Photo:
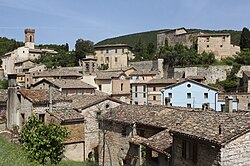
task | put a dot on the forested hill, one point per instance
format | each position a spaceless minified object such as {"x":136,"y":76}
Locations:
{"x":7,"y":45}
{"x":150,"y":37}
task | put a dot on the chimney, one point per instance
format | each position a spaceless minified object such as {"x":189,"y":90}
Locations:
{"x":229,"y":104}
{"x":12,"y":102}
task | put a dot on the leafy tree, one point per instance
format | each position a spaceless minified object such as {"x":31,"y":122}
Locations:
{"x":63,"y":59}
{"x":83,"y":48}
{"x":138,"y":51}
{"x":56,"y":47}
{"x":245,"y":39}
{"x":150,"y":49}
{"x":243,"y":57}
{"x":3,"y":84}
{"x":43,"y":142}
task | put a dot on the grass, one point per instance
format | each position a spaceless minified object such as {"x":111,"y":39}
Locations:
{"x":12,"y":155}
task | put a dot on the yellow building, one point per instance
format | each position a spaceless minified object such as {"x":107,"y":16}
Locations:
{"x":115,"y":55}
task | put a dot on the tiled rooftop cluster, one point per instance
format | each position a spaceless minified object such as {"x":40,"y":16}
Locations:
{"x":215,"y":127}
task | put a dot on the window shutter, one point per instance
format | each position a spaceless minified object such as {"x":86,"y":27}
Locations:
{"x":184,"y":149}
{"x":195,"y":153}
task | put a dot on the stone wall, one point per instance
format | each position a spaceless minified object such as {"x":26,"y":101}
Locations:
{"x":207,"y":155}
{"x":237,"y":152}
{"x":211,"y":73}
{"x":92,"y":132}
{"x":74,"y":151}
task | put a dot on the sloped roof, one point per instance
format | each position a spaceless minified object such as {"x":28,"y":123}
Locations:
{"x":35,"y":96}
{"x":247,"y":73}
{"x":192,"y":81}
{"x":112,"y":45}
{"x":159,"y":142}
{"x":202,"y":125}
{"x":57,"y":72}
{"x":106,"y":75}
{"x":66,"y":115}
{"x":67,"y":83}
{"x":213,"y":34}
{"x":162,"y":81}
{"x":143,"y":73}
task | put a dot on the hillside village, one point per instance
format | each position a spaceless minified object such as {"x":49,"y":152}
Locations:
{"x":123,"y":111}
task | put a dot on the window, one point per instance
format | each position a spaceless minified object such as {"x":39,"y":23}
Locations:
{"x":224,"y":38}
{"x":121,"y":86}
{"x":144,"y":95}
{"x":189,"y":151}
{"x":207,"y":39}
{"x":248,"y":106}
{"x":189,"y":95}
{"x":30,"y":38}
{"x":123,"y":50}
{"x":115,"y":50}
{"x":189,"y":105}
{"x":144,"y":88}
{"x":22,"y":118}
{"x":116,"y":59}
{"x":136,"y":102}
{"x":100,"y":87}
{"x":107,"y":50}
{"x":207,"y":46}
{"x":124,"y":132}
{"x":135,"y":94}
{"x":154,"y":88}
{"x":107,"y":59}
{"x":154,"y":97}
{"x":42,"y":117}
{"x":221,"y":45}
{"x":205,"y":95}
{"x":189,"y":85}
{"x":170,"y":95}
{"x":135,"y":88}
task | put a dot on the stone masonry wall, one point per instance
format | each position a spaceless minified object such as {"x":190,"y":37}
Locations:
{"x":237,"y":152}
{"x":92,"y":131}
{"x":207,"y":155}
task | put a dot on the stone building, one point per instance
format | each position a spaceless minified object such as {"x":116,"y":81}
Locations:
{"x":27,"y":52}
{"x":174,"y":136}
{"x":66,"y":86}
{"x":174,"y":36}
{"x":113,"y":55}
{"x":74,"y":122}
{"x":55,"y":74}
{"x":219,"y":44}
{"x":91,"y":109}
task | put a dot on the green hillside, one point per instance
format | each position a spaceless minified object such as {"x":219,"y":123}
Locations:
{"x":147,"y":37}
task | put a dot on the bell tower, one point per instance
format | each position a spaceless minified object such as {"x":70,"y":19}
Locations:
{"x":29,"y":38}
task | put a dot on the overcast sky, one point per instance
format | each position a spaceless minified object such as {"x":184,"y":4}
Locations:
{"x":65,"y":21}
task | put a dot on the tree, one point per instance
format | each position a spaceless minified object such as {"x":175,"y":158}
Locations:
{"x":83,"y":48}
{"x":245,"y":39}
{"x":138,"y":50}
{"x":43,"y":142}
{"x":3,"y":84}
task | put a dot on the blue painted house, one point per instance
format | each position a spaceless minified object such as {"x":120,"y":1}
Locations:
{"x":189,"y":93}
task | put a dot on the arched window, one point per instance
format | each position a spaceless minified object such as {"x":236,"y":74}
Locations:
{"x":30,"y":38}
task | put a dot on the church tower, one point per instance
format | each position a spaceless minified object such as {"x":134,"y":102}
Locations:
{"x":29,"y":38}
